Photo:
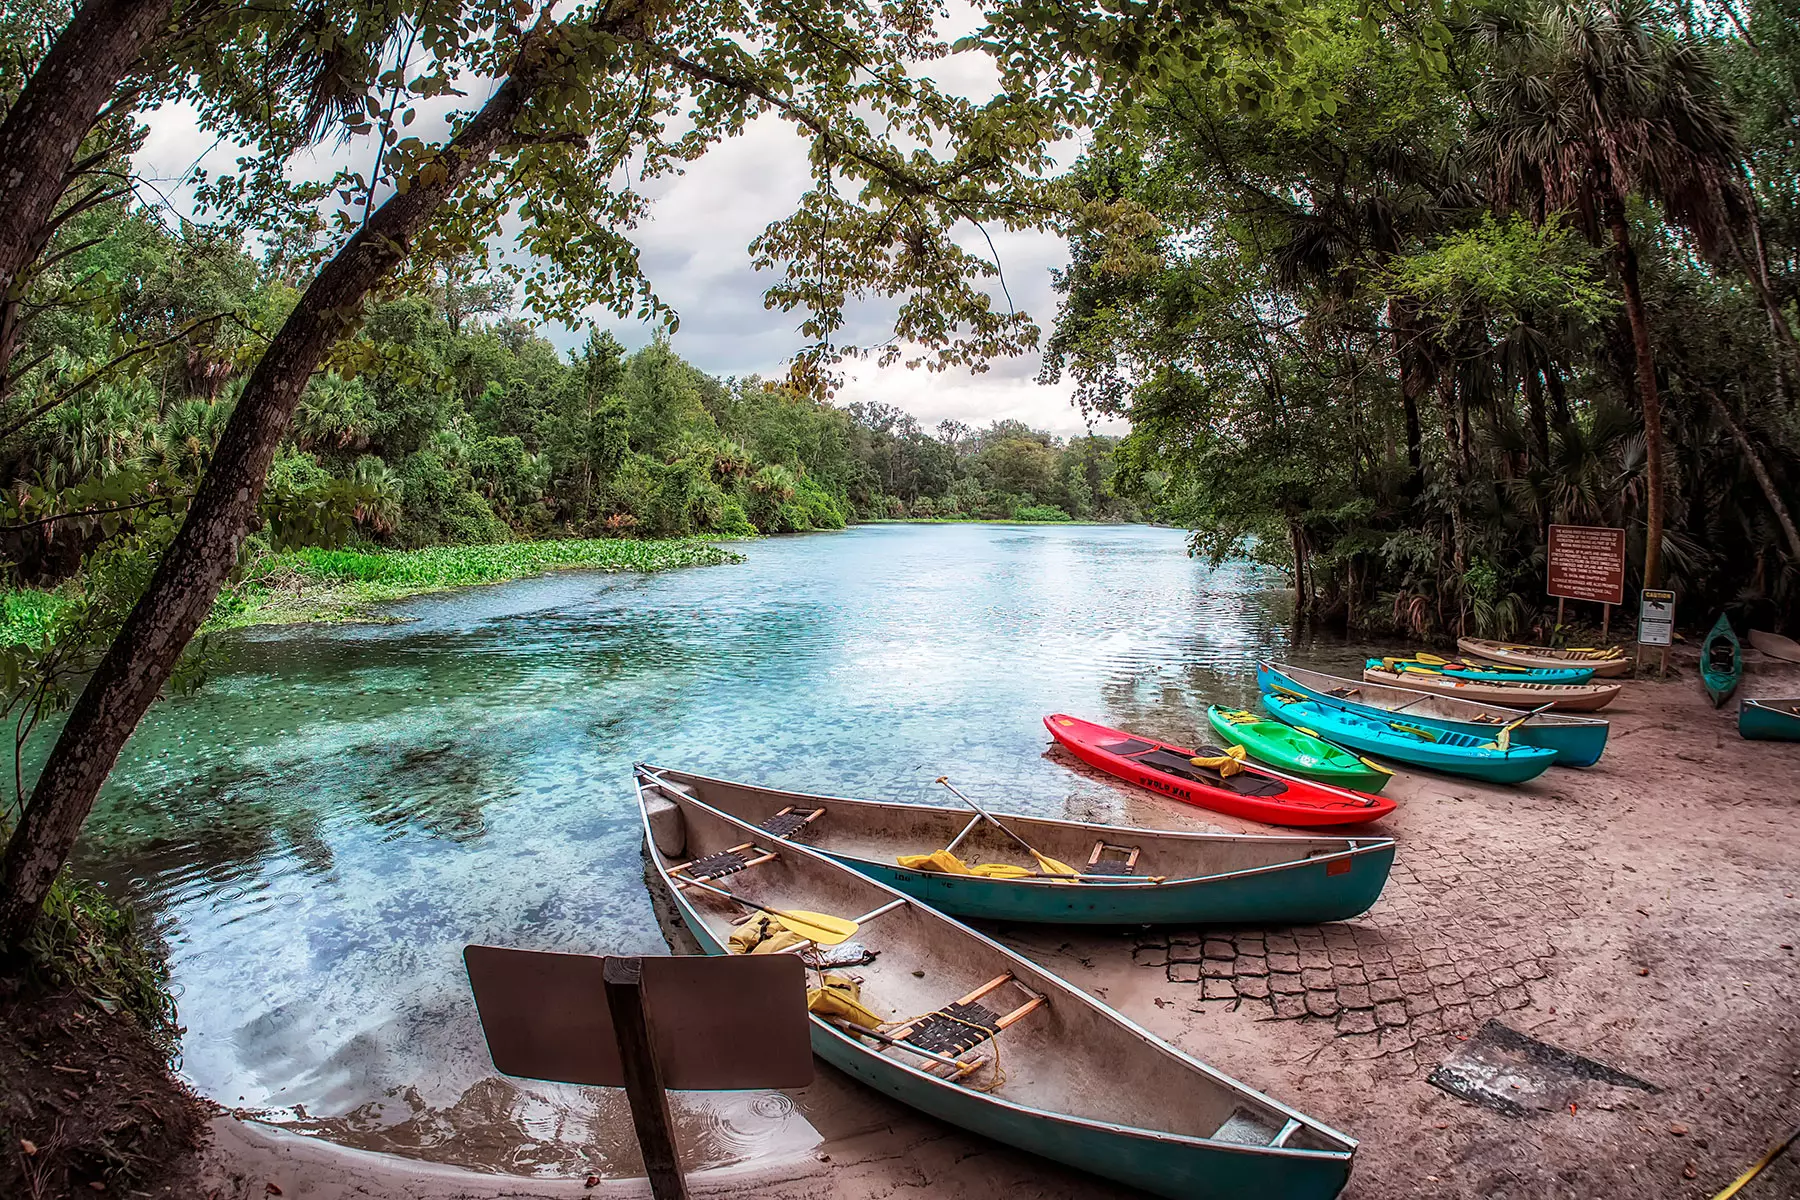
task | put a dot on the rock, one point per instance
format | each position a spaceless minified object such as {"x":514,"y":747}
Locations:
{"x":1678,"y":1130}
{"x":1688,"y":1171}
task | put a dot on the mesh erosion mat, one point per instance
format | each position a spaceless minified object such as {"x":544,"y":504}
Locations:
{"x":1514,"y":1074}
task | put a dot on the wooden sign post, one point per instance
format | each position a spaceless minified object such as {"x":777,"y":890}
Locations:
{"x":1587,"y":562}
{"x":719,"y":1023}
{"x":1656,"y":625}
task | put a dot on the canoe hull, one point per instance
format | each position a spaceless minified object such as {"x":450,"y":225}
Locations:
{"x":1580,"y":697}
{"x":1517,"y":766}
{"x":1543,"y":656}
{"x":1301,"y":894}
{"x":1761,"y":721}
{"x":1354,"y":774}
{"x":1578,"y":742}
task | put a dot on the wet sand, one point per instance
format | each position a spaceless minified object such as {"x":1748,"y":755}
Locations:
{"x":1642,"y":913}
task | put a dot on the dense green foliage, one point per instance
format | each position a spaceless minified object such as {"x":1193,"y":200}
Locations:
{"x":1387,"y":349}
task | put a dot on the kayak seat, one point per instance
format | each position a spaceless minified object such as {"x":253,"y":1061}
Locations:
{"x":962,"y":1025}
{"x":790,"y":821}
{"x":1112,"y":860}
{"x":1244,"y":783}
{"x":725,"y":862}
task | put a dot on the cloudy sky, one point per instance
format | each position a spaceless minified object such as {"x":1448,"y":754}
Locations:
{"x":695,"y":251}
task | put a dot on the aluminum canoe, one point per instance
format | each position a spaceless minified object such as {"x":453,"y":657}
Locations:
{"x":1567,"y":697}
{"x":1607,"y":663}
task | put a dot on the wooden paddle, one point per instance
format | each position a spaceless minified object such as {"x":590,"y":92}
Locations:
{"x":1051,"y":866}
{"x":822,"y":928}
{"x":1503,"y":739}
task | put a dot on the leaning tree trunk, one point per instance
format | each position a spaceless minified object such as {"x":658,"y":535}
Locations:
{"x":1626,"y":259}
{"x":187,"y":580}
{"x":1761,"y":472}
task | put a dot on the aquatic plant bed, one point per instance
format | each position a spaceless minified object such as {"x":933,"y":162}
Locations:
{"x":313,"y":585}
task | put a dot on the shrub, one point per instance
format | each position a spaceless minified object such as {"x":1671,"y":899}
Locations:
{"x":1040,"y":512}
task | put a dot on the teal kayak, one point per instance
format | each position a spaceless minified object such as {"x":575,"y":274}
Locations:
{"x":1458,"y":668}
{"x":1417,"y":745}
{"x":1297,"y":751}
{"x":1769,"y":720}
{"x":1721,"y":662}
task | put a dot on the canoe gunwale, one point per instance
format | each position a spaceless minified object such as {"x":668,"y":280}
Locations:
{"x":1359,"y":847}
{"x":1068,"y":992}
{"x":1537,"y":719}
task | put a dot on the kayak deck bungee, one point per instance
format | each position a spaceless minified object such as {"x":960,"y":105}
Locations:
{"x":1253,"y":792}
{"x":1128,"y":876}
{"x":954,"y":1024}
{"x":1393,"y":736}
{"x":1605,"y":661}
{"x":1570,"y":697}
{"x":1769,"y":720}
{"x":1424,"y":664}
{"x":1297,"y":751}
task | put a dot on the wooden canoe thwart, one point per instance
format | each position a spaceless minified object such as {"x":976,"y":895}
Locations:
{"x":1129,"y":876}
{"x":1769,"y":720}
{"x":1568,"y":697}
{"x":1607,"y":662}
{"x":1578,"y":741}
{"x":977,"y":1036}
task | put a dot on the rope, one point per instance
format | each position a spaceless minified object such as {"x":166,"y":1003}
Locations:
{"x":1227,"y":764}
{"x":998,"y":1078}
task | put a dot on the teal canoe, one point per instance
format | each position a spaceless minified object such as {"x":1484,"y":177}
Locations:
{"x":1769,"y":720}
{"x":1483,"y":672}
{"x":1721,"y":662}
{"x":1138,"y":876}
{"x":1297,"y":751}
{"x":1392,"y":736}
{"x":1023,"y":1057}
{"x":1577,"y":740}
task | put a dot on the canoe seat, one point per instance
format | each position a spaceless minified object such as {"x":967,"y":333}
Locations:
{"x":790,"y":821}
{"x":960,"y":1026}
{"x":1112,"y":860}
{"x":725,"y":862}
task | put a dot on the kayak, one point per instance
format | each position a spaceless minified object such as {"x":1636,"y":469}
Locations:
{"x":1578,"y":741}
{"x":1721,"y":662}
{"x":1394,"y":737}
{"x":1485,"y":672}
{"x":1606,"y":662}
{"x":1769,"y":720}
{"x":1298,"y":751}
{"x":927,"y":1011}
{"x":1129,"y":876}
{"x":1569,"y":697}
{"x":1776,"y":646}
{"x":1253,"y":792}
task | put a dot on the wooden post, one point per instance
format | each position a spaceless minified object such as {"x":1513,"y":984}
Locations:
{"x":1605,"y":622}
{"x":623,"y":978}
{"x":1559,"y":614}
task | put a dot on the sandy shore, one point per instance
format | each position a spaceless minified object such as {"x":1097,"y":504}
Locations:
{"x":1642,"y":913}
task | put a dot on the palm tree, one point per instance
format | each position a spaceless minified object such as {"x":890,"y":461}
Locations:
{"x":1593,"y":102}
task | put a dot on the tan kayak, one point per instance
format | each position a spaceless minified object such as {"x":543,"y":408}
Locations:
{"x":1568,"y":697}
{"x":1604,"y":664}
{"x":1776,"y":646}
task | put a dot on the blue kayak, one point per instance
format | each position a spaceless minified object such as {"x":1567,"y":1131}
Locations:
{"x":1578,"y":740}
{"x":1458,"y":668}
{"x":1392,"y":736}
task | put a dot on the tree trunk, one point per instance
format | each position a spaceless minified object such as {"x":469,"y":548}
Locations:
{"x":1534,"y":407}
{"x":1414,"y":379}
{"x":188,"y":578}
{"x":45,"y":126}
{"x":1626,"y":259}
{"x":1760,"y":471}
{"x":1756,"y":268}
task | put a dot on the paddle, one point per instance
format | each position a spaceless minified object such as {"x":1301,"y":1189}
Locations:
{"x":822,"y":928}
{"x":1503,"y":739}
{"x":1051,"y":866}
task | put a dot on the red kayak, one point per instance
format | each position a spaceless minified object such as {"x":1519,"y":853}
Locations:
{"x":1255,"y":793}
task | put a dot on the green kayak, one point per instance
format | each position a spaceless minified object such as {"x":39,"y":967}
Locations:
{"x":1299,"y":751}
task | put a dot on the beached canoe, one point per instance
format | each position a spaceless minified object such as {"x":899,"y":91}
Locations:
{"x":1721,"y":662}
{"x":966,"y":1031}
{"x":1605,"y":662}
{"x":1569,"y":697}
{"x":1578,"y":741}
{"x":1776,"y":646}
{"x":1256,"y":793}
{"x":1769,"y":720}
{"x":1296,"y":751}
{"x":1392,"y":736}
{"x":1130,"y":876}
{"x":1484,"y":672}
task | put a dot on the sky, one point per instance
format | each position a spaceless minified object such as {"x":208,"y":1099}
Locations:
{"x":694,"y":248}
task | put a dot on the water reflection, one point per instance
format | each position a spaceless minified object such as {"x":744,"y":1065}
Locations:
{"x":322,"y":829}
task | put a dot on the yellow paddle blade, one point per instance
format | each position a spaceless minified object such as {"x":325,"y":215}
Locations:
{"x":1373,"y":766}
{"x":1054,"y":866}
{"x":937,"y":860}
{"x":1433,"y":659}
{"x":822,"y":928}
{"x":1414,"y":730}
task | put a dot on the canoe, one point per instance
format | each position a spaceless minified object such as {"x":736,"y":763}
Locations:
{"x":1256,"y":793}
{"x":1721,"y":662}
{"x":1606,"y":662}
{"x":980,"y":1037}
{"x":1297,"y":751}
{"x":1578,"y":741}
{"x":1569,"y":697}
{"x":1776,"y":646}
{"x":1134,"y":876}
{"x":1392,"y":736}
{"x":1485,"y":672}
{"x":1769,"y":720}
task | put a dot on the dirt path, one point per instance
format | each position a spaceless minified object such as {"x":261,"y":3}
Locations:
{"x":1641,"y":913}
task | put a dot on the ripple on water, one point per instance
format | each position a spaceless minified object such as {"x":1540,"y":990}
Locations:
{"x":321,"y":830}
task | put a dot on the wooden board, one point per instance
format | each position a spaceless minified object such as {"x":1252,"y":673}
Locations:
{"x":1587,"y":562}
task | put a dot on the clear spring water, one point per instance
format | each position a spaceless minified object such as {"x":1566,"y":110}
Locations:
{"x":322,"y":829}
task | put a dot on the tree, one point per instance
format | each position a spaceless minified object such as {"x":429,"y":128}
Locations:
{"x":1596,"y":103}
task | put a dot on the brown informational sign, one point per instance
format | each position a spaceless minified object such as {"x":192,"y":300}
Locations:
{"x":1587,"y":562}
{"x":718,"y":1023}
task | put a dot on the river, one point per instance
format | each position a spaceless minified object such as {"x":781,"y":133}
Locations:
{"x":321,"y":829}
